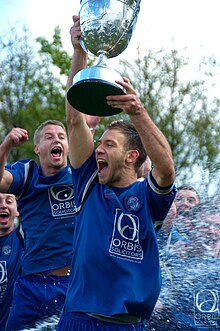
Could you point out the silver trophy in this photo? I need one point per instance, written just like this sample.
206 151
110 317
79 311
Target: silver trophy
107 27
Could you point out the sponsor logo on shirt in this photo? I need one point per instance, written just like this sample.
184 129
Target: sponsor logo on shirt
125 237
62 200
206 307
3 278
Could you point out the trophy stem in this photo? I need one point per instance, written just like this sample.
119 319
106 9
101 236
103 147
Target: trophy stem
102 59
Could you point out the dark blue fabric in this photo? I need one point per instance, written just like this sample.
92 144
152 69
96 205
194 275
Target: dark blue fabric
10 263
83 322
36 298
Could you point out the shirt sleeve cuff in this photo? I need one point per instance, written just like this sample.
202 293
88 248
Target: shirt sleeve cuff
156 188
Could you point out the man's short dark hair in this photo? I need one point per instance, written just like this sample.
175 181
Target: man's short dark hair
133 140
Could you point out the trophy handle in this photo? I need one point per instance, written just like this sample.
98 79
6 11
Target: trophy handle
83 46
131 25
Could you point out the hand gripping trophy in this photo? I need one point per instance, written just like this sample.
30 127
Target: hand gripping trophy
107 27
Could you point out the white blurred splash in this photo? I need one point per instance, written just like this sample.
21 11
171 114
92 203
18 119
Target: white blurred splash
46 325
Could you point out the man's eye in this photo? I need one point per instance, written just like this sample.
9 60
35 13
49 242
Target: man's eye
191 200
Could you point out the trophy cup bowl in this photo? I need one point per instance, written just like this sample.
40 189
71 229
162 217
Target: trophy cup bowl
107 27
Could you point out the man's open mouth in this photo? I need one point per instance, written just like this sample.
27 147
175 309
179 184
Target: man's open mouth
56 151
4 215
102 164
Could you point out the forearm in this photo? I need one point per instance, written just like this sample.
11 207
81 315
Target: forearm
156 146
3 160
79 62
80 136
79 59
5 176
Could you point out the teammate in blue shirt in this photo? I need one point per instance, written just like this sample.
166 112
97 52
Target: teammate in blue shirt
46 206
10 254
115 275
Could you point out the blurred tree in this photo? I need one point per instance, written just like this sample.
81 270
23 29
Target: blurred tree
60 58
30 92
55 52
181 107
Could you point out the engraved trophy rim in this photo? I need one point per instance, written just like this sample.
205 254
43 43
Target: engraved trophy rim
125 35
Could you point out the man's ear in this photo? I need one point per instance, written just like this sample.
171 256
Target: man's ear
36 149
132 156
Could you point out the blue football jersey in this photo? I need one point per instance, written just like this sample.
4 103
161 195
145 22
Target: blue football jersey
46 207
10 263
115 268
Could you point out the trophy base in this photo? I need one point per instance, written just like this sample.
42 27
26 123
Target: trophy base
89 97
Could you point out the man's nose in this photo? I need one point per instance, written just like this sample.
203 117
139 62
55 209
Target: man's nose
99 149
56 139
186 202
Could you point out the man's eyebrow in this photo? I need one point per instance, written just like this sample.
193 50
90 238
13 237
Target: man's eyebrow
52 132
110 141
10 196
48 132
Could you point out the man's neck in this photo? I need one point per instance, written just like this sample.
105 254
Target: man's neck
6 232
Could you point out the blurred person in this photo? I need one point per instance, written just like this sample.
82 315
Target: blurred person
92 122
168 222
216 198
177 225
197 286
164 236
115 222
144 169
10 254
215 235
167 235
172 241
205 233
186 198
45 199
190 293
180 232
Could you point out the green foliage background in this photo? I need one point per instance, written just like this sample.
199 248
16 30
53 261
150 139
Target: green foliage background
33 75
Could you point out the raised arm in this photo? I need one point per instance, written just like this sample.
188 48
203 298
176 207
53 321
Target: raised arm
16 137
155 144
80 136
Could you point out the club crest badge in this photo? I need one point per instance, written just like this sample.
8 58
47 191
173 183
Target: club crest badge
133 203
